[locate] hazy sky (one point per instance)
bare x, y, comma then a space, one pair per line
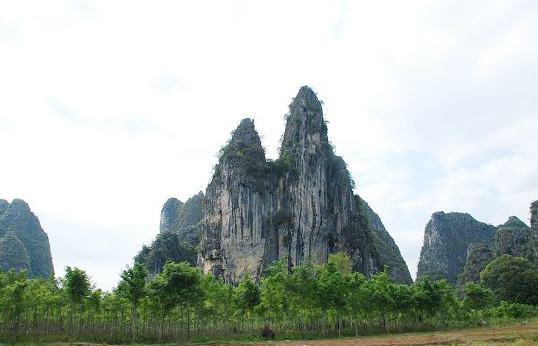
109, 108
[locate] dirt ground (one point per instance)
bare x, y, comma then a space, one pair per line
517, 335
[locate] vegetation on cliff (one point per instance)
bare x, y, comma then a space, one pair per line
478, 256
514, 238
23, 243
534, 229
179, 236
446, 239
388, 251
13, 254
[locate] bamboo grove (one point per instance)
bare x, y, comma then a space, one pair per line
183, 304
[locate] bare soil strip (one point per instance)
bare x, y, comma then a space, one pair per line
493, 336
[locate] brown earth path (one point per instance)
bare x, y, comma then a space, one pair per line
493, 336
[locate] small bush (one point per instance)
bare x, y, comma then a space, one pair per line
267, 333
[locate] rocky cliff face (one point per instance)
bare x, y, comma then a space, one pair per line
478, 257
298, 208
389, 253
23, 243
447, 234
446, 240
13, 254
534, 229
513, 238
169, 215
179, 235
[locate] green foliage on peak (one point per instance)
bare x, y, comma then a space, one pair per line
244, 147
245, 155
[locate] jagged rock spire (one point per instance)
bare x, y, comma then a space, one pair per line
306, 99
306, 131
245, 146
299, 208
245, 135
169, 215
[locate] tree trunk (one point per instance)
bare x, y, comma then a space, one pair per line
133, 322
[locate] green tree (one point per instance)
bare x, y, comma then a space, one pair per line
378, 291
247, 295
476, 296
77, 286
342, 262
332, 288
275, 298
301, 286
178, 285
433, 298
513, 279
15, 285
133, 287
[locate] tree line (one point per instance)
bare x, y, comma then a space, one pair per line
183, 304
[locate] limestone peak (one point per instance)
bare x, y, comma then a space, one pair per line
24, 244
306, 130
245, 146
515, 222
307, 99
245, 135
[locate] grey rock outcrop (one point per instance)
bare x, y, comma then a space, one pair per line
447, 234
176, 215
299, 207
513, 238
179, 235
534, 229
478, 257
169, 215
446, 240
389, 253
23, 243
13, 254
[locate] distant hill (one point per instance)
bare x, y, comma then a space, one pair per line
446, 240
457, 247
23, 243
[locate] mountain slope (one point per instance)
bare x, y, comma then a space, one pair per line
24, 244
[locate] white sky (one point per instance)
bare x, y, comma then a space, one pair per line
109, 108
